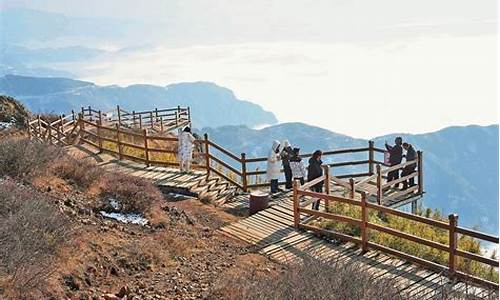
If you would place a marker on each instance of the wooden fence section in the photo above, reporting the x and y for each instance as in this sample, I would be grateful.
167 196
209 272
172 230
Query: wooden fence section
366 226
159 120
57 132
148 132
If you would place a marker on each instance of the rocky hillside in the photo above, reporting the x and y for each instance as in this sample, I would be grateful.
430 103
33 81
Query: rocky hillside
211 105
12 112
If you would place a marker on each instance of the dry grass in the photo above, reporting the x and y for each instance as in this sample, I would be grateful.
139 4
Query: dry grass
134 194
310 280
32 231
23 159
81 173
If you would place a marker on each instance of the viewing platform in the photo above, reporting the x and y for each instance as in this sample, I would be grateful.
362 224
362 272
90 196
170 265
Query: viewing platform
288 229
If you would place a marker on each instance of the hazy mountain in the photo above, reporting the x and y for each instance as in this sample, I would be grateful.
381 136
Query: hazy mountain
460 163
210 104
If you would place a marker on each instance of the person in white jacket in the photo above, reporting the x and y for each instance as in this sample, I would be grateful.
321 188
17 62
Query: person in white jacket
274 166
185 151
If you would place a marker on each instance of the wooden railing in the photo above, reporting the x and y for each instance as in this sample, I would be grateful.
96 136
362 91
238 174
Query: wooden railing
56 132
366 226
123 142
120 127
160 120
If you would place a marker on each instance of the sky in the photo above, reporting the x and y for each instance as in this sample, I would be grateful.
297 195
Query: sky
362 68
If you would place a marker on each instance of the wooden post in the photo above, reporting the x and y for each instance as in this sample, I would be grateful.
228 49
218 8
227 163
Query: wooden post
379 185
364 221
146 150
420 173
370 157
326 170
119 115
189 117
99 132
156 115
207 155
140 121
161 123
351 184
39 127
83 112
296 216
90 113
133 118
176 119
118 142
60 129
244 172
82 124
453 218
73 115
49 131
151 118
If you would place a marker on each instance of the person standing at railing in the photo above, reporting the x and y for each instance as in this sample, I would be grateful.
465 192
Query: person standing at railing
274 167
315 170
410 155
286 153
395 158
298 169
185 150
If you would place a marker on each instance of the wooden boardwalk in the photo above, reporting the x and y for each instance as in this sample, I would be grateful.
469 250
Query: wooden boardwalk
271 233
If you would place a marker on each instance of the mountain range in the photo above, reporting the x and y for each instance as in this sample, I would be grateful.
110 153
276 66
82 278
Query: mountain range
460 163
211 105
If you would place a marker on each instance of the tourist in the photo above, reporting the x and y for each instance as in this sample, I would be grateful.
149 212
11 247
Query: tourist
315 170
273 167
395 157
297 166
410 155
286 153
185 149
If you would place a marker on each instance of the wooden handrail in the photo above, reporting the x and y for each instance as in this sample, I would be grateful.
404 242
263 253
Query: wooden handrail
311 183
477 234
223 150
406 215
224 164
401 179
400 166
407 236
451 248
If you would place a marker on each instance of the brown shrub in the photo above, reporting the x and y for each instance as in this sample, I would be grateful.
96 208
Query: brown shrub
311 280
82 173
23 159
31 232
134 194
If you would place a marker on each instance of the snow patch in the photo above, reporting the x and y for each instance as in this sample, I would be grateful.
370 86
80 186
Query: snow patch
126 218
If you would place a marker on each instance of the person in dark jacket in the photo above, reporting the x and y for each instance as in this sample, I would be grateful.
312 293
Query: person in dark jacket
286 154
315 170
396 155
411 154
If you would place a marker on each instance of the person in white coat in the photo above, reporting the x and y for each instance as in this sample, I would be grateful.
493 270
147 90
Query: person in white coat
274 166
185 151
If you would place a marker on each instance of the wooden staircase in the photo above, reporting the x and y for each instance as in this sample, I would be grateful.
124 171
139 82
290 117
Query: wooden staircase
215 189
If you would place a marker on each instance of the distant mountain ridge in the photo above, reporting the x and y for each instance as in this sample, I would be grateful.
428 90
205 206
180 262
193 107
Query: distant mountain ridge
211 105
460 163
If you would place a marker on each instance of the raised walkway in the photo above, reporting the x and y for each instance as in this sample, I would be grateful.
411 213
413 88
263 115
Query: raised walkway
271 232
